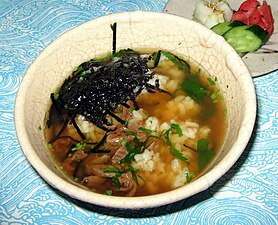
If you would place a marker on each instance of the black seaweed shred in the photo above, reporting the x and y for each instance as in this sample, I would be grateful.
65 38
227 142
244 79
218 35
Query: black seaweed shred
156 58
55 113
78 130
98 88
60 132
96 149
114 29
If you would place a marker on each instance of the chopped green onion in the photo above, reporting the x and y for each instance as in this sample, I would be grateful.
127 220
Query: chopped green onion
177 128
211 81
145 130
204 154
192 86
78 69
79 146
175 152
216 96
182 65
109 192
84 73
134 173
189 176
56 93
115 181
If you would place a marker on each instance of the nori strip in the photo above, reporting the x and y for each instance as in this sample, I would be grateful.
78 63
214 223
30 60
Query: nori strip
78 129
60 132
114 29
104 88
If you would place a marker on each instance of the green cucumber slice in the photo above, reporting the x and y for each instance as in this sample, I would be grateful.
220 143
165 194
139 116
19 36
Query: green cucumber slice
247 38
222 28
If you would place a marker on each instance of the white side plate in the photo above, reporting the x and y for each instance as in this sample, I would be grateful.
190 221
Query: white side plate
261 62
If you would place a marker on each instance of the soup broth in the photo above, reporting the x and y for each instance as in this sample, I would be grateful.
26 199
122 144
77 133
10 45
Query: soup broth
163 129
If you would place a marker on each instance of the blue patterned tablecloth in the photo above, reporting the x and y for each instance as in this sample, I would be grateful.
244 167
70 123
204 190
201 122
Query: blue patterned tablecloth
247 194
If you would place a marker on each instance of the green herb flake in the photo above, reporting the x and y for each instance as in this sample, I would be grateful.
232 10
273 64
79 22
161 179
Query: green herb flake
177 128
189 176
181 65
145 130
40 127
79 146
115 181
106 58
126 123
204 154
174 152
132 151
78 69
111 122
137 142
132 109
85 73
131 169
211 81
56 93
216 96
133 172
113 169
131 133
192 86
80 79
109 192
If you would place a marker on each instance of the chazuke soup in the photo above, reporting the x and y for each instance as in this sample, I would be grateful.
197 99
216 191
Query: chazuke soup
133 124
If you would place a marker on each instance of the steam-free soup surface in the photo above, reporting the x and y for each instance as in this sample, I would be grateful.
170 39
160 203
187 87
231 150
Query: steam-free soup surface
154 137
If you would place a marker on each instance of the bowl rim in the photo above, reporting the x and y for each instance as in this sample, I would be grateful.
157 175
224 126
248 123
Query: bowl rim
200 184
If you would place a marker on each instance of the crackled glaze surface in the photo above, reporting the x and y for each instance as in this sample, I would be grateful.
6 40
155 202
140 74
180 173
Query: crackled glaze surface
246 194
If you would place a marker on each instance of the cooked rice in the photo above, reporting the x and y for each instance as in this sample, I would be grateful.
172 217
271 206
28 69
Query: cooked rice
150 161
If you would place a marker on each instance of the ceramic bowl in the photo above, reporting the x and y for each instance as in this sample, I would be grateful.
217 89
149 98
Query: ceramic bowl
139 31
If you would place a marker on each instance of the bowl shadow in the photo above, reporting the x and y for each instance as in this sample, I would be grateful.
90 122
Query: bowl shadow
173 207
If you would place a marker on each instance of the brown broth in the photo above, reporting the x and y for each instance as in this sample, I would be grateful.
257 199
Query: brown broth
155 105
